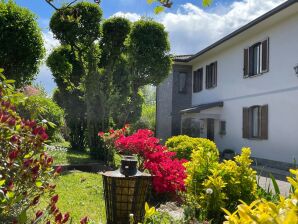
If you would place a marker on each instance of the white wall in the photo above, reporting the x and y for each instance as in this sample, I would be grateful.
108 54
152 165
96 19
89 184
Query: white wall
278 88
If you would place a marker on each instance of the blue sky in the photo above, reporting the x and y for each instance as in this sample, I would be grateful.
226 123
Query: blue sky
190 26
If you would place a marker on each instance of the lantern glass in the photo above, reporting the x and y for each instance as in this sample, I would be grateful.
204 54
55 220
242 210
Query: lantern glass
125 195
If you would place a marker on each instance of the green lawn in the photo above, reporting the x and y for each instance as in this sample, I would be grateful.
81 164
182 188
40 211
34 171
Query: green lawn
81 194
70 157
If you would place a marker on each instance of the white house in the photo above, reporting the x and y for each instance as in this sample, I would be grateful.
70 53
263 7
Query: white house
241 90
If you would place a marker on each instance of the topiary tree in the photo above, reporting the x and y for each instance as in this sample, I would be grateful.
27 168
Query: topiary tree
114 64
21 48
68 73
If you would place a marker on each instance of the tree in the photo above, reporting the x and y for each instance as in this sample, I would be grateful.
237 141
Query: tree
21 48
117 58
68 73
158 9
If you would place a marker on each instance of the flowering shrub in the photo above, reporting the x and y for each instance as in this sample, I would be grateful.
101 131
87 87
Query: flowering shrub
184 145
109 139
212 185
262 211
25 169
168 173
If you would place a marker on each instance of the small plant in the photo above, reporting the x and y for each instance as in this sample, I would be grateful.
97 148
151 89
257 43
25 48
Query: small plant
263 211
212 185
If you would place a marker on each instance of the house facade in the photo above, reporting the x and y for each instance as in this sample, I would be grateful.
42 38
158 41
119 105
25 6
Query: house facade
240 91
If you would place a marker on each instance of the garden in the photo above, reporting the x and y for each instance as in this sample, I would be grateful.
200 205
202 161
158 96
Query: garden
73 156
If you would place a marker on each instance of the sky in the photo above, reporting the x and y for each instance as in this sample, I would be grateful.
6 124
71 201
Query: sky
191 26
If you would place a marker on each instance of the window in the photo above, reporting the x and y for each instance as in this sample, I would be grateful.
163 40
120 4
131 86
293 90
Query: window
222 128
211 75
182 82
256 59
198 80
190 127
255 122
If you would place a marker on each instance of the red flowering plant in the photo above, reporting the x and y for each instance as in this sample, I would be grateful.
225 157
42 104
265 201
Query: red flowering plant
109 139
25 168
168 172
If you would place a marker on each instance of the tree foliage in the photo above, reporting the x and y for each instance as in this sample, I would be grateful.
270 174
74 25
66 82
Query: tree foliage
21 48
68 73
115 59
43 109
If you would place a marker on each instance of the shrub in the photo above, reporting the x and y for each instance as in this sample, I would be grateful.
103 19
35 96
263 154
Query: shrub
184 145
261 211
212 185
25 169
168 173
41 108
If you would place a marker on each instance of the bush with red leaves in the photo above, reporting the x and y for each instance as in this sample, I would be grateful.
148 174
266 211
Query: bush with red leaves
25 168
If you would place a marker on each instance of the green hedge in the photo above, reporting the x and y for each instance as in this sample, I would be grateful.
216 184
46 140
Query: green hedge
184 145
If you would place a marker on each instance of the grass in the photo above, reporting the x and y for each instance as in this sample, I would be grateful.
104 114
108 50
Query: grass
63 155
80 194
70 157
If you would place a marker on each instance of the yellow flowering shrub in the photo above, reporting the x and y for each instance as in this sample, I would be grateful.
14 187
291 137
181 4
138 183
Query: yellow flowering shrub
212 185
262 211
184 145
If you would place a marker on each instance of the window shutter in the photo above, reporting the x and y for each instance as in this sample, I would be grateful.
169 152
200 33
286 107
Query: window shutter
265 55
245 128
250 61
264 122
200 79
214 84
207 76
245 64
194 84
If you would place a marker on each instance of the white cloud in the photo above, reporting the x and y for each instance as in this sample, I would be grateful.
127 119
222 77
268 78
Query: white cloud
192 28
130 16
49 41
44 76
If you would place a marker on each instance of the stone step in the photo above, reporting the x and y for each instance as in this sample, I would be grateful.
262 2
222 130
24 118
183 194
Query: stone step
277 173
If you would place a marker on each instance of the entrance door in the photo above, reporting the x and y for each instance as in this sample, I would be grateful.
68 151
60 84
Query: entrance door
210 129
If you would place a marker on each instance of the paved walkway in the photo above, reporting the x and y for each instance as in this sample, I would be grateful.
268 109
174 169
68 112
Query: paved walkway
284 186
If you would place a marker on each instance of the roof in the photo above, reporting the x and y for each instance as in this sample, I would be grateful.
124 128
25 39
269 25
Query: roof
197 109
240 30
182 58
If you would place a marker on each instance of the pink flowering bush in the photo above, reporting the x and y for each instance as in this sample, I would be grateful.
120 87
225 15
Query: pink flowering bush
168 173
25 168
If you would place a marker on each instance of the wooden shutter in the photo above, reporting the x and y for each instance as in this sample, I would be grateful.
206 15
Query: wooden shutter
264 122
251 61
200 71
265 55
194 85
214 81
245 64
207 76
245 126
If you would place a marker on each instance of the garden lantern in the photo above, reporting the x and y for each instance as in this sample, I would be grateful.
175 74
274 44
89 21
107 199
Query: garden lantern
125 191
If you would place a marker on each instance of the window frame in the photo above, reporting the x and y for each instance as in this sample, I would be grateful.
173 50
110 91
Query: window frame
248 125
182 90
200 74
247 59
252 120
211 75
222 131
